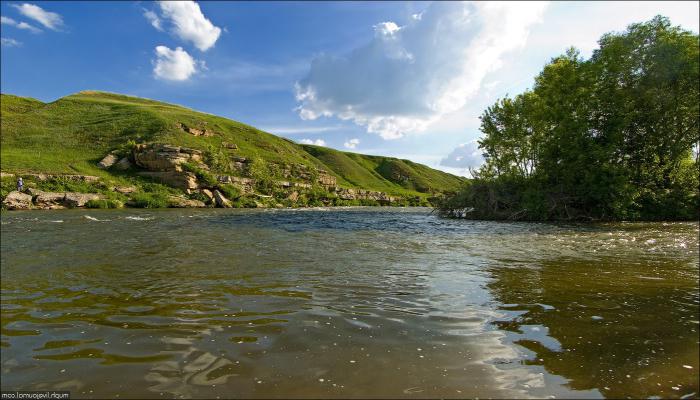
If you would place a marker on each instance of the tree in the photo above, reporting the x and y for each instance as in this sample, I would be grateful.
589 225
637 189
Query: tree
604 138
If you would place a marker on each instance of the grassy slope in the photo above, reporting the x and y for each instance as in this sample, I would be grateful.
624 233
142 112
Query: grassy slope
71 134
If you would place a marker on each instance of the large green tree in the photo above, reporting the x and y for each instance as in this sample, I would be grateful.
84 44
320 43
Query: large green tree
605 138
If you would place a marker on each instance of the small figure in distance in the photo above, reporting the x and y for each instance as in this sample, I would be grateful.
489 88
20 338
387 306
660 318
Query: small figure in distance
20 184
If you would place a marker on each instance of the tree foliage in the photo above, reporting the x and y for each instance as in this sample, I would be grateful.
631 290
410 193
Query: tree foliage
610 137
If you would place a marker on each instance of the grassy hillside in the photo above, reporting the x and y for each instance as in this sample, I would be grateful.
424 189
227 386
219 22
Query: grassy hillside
383 173
70 135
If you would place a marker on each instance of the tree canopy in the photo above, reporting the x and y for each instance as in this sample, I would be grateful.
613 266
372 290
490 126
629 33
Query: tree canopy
606 138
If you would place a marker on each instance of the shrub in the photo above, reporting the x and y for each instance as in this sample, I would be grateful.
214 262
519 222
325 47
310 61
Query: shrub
202 175
103 204
244 202
229 191
199 196
61 184
217 159
150 200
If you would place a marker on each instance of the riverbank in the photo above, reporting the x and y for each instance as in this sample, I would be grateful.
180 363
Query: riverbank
145 153
168 181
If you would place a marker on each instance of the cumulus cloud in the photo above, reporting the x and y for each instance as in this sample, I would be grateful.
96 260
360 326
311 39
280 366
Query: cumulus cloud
48 19
317 142
409 76
9 42
153 18
174 65
351 144
185 20
20 25
466 155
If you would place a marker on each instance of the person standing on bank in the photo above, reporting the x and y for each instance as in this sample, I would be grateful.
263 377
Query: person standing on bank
20 184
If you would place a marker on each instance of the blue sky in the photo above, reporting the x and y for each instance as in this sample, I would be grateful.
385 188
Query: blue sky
405 79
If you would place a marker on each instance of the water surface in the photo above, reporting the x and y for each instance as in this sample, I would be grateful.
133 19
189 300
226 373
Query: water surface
361 302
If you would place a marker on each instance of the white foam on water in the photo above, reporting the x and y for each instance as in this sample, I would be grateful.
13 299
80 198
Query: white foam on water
58 221
140 218
95 219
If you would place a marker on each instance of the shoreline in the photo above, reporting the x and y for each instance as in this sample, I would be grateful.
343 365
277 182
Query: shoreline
430 210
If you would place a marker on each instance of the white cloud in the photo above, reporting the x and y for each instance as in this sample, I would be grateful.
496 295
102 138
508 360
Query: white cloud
581 24
174 65
351 144
466 155
9 42
317 142
48 19
187 22
291 130
20 25
410 76
153 18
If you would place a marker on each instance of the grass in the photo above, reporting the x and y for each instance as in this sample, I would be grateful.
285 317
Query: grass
71 134
104 204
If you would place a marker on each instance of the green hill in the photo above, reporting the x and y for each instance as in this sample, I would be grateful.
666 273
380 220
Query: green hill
72 134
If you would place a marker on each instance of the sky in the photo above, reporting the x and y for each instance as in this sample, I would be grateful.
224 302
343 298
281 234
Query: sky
402 79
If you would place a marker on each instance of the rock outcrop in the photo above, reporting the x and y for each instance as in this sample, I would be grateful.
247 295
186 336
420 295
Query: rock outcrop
208 193
326 179
361 194
46 177
123 164
124 189
164 157
180 180
48 200
18 201
80 199
163 163
109 160
181 202
195 131
246 185
221 201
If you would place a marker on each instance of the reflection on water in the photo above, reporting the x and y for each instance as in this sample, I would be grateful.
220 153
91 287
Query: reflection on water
345 303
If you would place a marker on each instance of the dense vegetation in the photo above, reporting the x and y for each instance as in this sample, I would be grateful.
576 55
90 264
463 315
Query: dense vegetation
606 138
71 134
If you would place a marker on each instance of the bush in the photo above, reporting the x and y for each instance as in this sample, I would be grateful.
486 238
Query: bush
150 200
217 159
61 184
202 175
104 204
229 191
244 202
199 196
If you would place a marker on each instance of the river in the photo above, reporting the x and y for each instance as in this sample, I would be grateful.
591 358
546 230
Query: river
357 302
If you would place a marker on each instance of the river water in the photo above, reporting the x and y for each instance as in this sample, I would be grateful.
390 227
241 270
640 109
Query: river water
359 302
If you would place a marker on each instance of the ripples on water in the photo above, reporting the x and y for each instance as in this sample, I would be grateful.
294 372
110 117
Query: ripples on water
345 303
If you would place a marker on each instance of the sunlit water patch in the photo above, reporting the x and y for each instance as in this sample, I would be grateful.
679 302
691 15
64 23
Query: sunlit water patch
345 303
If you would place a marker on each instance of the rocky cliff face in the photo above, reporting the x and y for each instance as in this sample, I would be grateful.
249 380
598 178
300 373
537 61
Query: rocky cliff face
37 199
163 163
179 167
164 157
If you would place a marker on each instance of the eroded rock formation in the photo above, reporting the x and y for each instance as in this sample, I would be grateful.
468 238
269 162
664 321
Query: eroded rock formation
18 201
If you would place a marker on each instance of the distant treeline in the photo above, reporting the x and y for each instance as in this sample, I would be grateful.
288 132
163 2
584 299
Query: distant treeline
609 138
